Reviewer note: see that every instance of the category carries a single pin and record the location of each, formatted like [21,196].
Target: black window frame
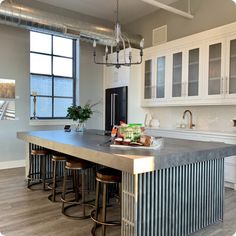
[52,76]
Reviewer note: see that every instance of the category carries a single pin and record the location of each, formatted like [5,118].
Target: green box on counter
[131,131]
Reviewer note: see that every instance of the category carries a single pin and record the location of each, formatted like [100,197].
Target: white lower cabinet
[230,172]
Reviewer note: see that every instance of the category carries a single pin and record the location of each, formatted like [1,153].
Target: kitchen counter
[228,137]
[175,190]
[91,146]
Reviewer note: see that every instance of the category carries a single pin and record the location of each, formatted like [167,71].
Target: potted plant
[81,114]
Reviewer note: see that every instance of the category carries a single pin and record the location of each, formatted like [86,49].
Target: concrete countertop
[89,146]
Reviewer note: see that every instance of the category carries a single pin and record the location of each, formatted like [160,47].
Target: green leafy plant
[80,113]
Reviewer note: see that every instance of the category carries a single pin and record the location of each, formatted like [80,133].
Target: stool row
[75,195]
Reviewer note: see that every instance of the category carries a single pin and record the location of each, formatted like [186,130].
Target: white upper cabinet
[197,70]
[177,75]
[148,79]
[215,71]
[114,77]
[194,72]
[155,79]
[221,69]
[160,77]
[230,71]
[186,71]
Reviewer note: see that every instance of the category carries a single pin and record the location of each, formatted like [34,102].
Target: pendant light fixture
[121,42]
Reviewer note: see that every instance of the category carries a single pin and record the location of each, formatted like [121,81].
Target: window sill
[50,122]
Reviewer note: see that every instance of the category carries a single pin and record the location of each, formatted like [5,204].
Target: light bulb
[94,42]
[234,1]
[142,42]
[1,1]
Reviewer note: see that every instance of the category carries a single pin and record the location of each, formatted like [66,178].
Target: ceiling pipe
[33,19]
[187,15]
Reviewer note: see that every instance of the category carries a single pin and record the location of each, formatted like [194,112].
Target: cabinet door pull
[112,109]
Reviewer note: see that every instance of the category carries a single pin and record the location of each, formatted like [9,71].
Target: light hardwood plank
[24,212]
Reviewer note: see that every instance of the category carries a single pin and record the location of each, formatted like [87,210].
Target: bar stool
[104,177]
[77,166]
[57,158]
[33,168]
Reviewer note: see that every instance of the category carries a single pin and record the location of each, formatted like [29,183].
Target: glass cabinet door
[177,75]
[214,72]
[148,79]
[232,67]
[193,72]
[160,77]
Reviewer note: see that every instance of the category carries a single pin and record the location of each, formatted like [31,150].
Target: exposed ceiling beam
[169,8]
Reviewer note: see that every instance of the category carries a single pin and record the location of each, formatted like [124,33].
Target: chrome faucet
[191,125]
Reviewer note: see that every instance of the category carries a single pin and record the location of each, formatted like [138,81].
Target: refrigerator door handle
[112,109]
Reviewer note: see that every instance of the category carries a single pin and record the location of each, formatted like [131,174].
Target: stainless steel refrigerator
[116,106]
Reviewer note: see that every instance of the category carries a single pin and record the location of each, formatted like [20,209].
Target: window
[52,74]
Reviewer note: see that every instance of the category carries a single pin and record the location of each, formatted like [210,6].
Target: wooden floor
[24,212]
[29,213]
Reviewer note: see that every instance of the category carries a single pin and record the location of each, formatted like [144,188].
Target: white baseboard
[12,164]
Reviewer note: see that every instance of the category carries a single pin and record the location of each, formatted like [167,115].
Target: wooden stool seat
[39,152]
[58,157]
[77,164]
[108,175]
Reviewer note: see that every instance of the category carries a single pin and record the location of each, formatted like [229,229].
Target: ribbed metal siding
[36,169]
[180,200]
[36,164]
[128,204]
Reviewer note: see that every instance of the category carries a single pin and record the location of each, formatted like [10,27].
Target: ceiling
[129,10]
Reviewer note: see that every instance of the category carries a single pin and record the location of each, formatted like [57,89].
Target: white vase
[80,127]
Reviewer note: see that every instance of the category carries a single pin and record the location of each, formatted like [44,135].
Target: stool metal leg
[54,163]
[76,174]
[64,189]
[96,206]
[83,192]
[43,171]
[30,170]
[104,202]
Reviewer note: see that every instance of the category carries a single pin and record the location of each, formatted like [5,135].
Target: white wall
[214,118]
[91,83]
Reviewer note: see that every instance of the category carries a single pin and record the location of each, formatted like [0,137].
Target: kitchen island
[174,190]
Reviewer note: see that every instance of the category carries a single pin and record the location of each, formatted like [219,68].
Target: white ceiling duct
[33,19]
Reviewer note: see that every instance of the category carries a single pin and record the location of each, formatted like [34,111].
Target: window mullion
[74,72]
[52,79]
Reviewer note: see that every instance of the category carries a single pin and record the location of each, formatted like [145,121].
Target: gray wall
[207,14]
[15,64]
[91,83]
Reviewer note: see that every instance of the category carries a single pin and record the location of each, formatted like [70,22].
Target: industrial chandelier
[121,42]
